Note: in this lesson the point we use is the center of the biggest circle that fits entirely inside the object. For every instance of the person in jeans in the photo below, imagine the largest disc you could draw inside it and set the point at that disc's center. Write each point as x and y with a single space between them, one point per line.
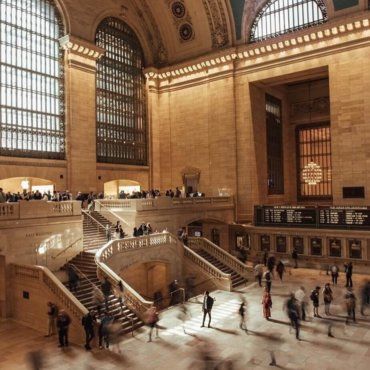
328 297
315 294
52 316
88 322
349 271
334 271
351 305
63 322
207 305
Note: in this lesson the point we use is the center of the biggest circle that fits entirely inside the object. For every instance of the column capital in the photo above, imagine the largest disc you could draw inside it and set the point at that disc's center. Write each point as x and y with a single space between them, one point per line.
80 53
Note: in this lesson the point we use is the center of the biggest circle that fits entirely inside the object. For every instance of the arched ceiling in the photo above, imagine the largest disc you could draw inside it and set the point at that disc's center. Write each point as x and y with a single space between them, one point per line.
171 31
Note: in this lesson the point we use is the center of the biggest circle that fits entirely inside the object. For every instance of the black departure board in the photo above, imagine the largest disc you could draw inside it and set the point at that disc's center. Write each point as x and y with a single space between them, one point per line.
319 217
347 217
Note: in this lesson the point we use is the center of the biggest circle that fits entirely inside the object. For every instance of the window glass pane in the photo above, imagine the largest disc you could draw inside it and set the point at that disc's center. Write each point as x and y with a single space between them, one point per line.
120 97
281 16
31 83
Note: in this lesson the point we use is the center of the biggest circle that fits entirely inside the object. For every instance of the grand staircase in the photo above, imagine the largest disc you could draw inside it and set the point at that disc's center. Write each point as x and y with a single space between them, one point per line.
84 265
94 230
235 277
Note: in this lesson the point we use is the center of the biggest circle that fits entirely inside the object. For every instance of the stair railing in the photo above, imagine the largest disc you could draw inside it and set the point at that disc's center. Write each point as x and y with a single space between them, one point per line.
64 298
66 248
132 298
98 224
84 276
197 243
220 278
113 214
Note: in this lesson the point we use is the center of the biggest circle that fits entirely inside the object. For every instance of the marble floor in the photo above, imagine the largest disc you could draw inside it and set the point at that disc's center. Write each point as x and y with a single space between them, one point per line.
224 341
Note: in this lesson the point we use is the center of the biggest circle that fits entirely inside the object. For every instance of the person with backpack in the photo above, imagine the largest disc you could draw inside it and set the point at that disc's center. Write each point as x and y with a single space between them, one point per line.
315 294
63 322
52 316
328 297
88 322
334 271
207 305
268 280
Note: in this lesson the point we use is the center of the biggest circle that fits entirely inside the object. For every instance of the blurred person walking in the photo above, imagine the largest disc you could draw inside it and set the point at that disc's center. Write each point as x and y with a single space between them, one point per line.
152 318
207 305
334 271
258 273
328 298
52 317
266 304
365 297
301 297
350 305
293 313
88 322
280 269
63 322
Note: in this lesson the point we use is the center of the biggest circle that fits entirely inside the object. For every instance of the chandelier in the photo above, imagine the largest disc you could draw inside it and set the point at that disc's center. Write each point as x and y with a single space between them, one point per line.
312 173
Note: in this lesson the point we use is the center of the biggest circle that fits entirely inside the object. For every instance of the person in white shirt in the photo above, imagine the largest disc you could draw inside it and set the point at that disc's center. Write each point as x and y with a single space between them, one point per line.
301 296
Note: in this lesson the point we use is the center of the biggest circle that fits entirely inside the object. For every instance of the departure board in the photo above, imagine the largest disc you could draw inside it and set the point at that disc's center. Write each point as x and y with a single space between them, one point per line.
319 217
347 217
288 216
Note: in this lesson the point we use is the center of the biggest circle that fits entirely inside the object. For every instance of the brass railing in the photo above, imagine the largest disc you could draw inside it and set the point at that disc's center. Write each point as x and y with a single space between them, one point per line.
221 255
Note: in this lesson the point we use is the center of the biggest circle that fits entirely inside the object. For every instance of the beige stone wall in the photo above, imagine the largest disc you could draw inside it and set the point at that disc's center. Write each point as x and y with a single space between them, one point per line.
214 119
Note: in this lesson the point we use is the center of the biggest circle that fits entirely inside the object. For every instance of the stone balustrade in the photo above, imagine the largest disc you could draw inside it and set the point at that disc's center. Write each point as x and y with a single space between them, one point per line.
148 204
43 276
38 209
221 255
221 279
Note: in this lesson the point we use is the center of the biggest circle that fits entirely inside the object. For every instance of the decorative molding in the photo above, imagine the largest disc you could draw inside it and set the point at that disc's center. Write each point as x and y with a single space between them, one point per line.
160 54
181 19
217 23
80 47
314 37
39 163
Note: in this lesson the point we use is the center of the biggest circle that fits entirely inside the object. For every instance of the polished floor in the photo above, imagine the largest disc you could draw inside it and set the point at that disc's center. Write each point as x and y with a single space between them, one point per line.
224 342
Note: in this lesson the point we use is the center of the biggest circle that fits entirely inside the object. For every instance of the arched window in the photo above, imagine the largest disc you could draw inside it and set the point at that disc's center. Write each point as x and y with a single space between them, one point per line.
282 16
120 96
31 80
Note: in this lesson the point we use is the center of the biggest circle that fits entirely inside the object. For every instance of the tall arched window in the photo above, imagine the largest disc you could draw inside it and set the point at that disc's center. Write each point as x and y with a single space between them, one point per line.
120 96
31 80
282 16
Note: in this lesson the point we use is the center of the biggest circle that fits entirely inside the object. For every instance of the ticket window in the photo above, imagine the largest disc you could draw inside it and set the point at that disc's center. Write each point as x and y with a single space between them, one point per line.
355 250
335 248
281 244
298 244
316 247
265 243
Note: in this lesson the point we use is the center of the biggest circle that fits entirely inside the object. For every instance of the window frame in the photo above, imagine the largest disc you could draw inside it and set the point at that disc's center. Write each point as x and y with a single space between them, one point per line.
265 9
301 197
46 126
121 141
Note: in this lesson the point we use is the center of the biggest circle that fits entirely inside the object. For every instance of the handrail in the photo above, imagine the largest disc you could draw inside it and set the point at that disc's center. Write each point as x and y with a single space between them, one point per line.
83 275
111 212
94 219
54 285
221 254
133 299
65 249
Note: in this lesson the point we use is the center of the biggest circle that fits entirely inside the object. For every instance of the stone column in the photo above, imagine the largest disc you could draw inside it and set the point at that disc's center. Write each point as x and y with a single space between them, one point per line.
80 75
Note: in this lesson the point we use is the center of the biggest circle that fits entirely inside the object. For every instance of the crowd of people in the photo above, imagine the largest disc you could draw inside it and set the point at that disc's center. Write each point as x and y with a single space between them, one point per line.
56 196
155 193
297 304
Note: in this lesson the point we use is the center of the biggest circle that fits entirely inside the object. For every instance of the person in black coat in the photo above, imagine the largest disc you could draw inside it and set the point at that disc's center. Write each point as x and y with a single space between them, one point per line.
295 257
63 322
88 322
315 295
349 272
106 288
207 308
